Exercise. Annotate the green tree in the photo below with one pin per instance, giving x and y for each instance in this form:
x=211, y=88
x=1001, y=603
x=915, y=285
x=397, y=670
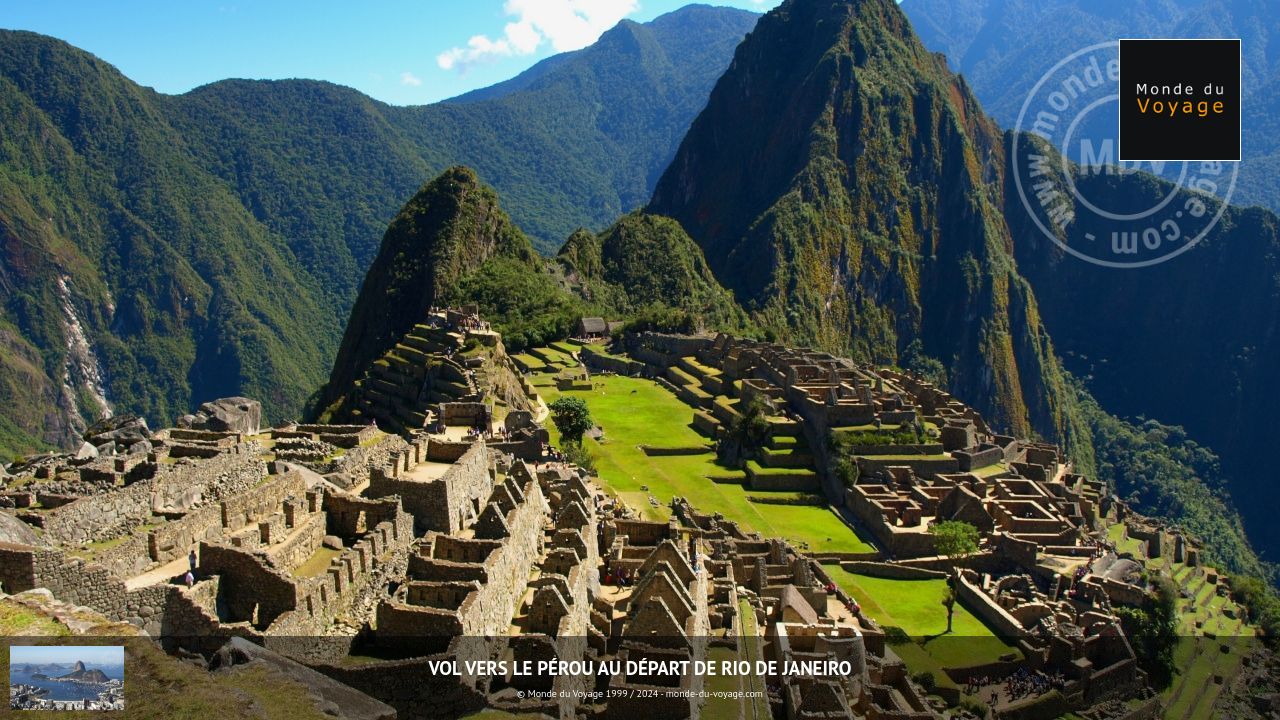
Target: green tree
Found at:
x=955, y=540
x=1153, y=631
x=747, y=432
x=572, y=418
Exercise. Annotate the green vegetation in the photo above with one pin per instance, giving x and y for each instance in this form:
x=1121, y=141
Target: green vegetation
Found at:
x=634, y=412
x=955, y=540
x=17, y=619
x=912, y=606
x=1166, y=475
x=179, y=290
x=1152, y=631
x=317, y=563
x=572, y=418
x=526, y=305
x=1260, y=601
x=646, y=266
x=212, y=243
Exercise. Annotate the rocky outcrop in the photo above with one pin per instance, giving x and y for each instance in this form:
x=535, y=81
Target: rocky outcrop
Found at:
x=13, y=530
x=332, y=697
x=115, y=436
x=232, y=414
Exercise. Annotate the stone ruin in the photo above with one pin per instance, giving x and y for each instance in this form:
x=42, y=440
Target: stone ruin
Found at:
x=454, y=538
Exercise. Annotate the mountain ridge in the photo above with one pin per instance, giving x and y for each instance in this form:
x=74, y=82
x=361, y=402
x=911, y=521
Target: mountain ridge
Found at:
x=865, y=222
x=212, y=243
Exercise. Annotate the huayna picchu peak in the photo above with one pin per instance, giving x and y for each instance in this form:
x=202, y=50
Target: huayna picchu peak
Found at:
x=839, y=183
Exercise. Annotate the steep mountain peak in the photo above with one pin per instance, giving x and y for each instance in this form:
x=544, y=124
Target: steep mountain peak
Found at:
x=451, y=226
x=854, y=211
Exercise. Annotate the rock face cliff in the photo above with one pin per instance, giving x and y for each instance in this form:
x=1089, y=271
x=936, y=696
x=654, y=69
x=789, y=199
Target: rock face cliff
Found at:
x=844, y=185
x=452, y=226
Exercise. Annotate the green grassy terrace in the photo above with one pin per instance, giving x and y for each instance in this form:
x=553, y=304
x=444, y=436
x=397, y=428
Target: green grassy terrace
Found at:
x=634, y=412
x=916, y=607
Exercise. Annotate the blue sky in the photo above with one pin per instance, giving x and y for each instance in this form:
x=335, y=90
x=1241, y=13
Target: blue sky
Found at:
x=89, y=654
x=401, y=51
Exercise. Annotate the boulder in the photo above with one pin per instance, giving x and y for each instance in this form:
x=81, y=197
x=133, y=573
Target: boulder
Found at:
x=340, y=479
x=124, y=430
x=86, y=452
x=232, y=414
x=13, y=530
x=331, y=697
x=333, y=542
x=142, y=446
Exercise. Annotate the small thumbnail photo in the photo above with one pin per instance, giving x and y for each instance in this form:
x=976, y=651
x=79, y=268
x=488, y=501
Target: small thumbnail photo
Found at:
x=66, y=677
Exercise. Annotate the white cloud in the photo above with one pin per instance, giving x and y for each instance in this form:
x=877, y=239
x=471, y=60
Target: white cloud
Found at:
x=564, y=24
x=408, y=78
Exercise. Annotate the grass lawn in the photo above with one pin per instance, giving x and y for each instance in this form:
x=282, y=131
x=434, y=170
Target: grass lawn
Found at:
x=990, y=470
x=916, y=607
x=633, y=412
x=317, y=564
x=16, y=619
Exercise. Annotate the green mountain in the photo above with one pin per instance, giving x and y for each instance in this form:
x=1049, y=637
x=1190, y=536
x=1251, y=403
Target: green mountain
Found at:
x=643, y=262
x=131, y=275
x=866, y=208
x=160, y=251
x=451, y=226
x=854, y=210
x=453, y=244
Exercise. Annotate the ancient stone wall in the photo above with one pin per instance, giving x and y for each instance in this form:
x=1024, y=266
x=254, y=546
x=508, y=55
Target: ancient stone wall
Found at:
x=301, y=543
x=129, y=558
x=609, y=363
x=247, y=508
x=352, y=578
x=891, y=570
x=172, y=539
x=981, y=604
x=359, y=461
x=100, y=517
x=250, y=590
x=230, y=472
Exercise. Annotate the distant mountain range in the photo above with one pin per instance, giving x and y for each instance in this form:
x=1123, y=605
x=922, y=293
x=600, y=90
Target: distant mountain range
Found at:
x=1002, y=47
x=79, y=673
x=1194, y=340
x=159, y=251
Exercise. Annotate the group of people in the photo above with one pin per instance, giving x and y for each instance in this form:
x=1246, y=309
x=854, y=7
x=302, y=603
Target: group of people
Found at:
x=1020, y=684
x=190, y=577
x=621, y=578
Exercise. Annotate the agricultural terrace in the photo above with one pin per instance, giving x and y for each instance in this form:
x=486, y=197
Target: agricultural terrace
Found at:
x=633, y=412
